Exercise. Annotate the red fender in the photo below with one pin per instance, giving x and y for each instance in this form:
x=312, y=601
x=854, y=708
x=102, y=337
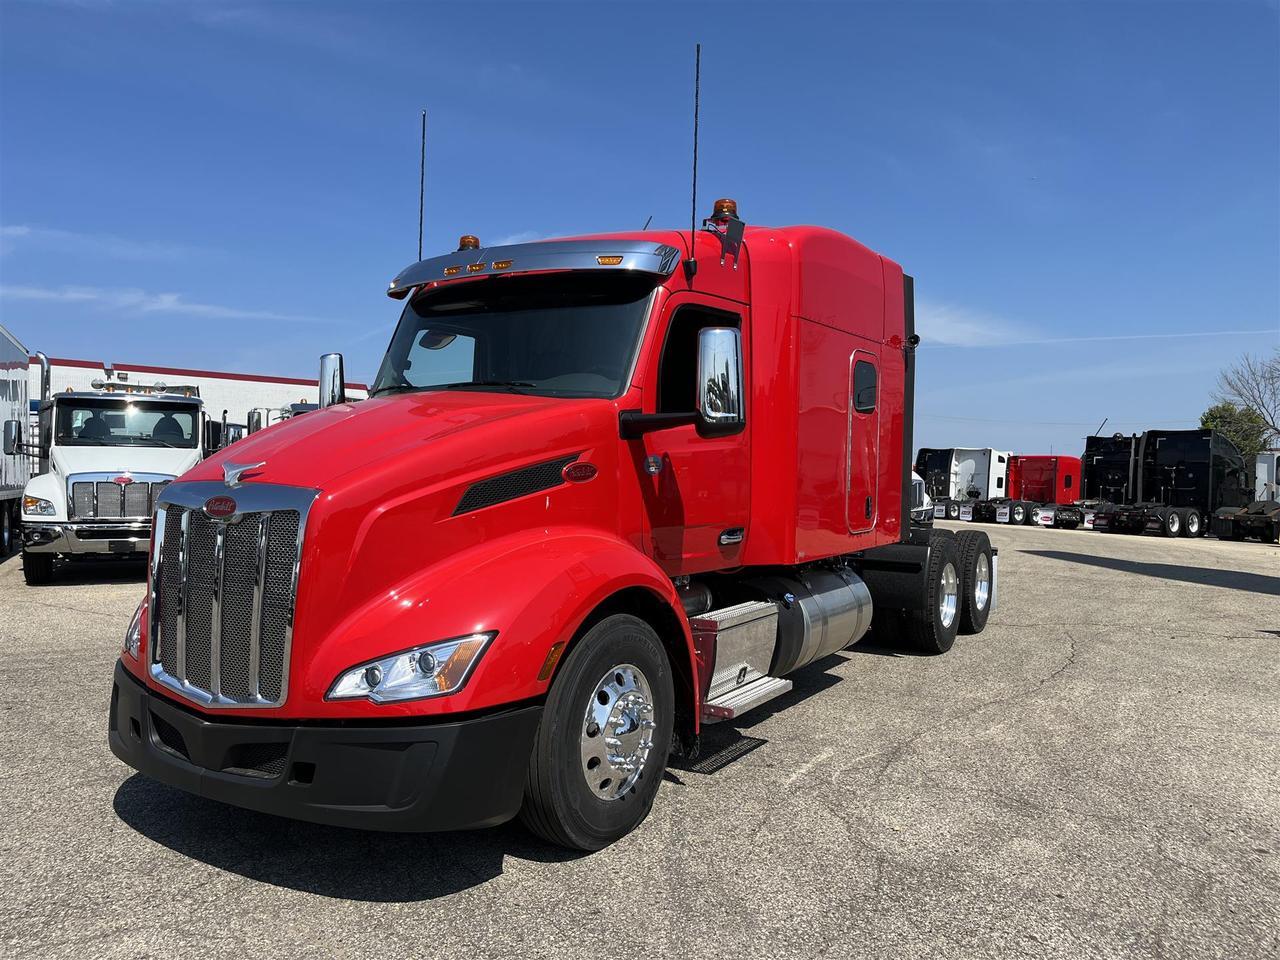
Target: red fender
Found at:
x=534, y=587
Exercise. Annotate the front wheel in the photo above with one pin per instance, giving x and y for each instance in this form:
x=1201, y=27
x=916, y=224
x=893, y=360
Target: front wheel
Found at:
x=604, y=738
x=37, y=568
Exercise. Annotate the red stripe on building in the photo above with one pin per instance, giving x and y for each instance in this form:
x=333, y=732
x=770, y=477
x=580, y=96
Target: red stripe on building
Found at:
x=184, y=372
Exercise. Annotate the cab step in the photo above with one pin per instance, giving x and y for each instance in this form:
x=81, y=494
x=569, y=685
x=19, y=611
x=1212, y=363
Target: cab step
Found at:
x=739, y=700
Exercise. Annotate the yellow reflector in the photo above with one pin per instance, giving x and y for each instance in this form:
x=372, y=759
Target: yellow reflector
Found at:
x=608, y=261
x=450, y=271
x=501, y=264
x=549, y=665
x=475, y=267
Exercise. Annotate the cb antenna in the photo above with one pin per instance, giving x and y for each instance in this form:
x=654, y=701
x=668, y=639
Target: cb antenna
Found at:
x=691, y=265
x=1098, y=432
x=422, y=179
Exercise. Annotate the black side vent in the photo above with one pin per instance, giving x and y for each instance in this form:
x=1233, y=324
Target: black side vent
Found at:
x=517, y=483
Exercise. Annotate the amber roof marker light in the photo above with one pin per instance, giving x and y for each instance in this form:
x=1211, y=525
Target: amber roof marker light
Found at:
x=725, y=208
x=468, y=242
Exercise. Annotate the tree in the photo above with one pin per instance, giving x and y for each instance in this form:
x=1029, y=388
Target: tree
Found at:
x=1254, y=384
x=1243, y=426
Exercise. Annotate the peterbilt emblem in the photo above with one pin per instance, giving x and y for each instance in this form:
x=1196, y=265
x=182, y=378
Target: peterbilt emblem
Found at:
x=219, y=508
x=231, y=472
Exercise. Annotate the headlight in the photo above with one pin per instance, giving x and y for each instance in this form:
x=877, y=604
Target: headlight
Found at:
x=38, y=507
x=133, y=636
x=427, y=671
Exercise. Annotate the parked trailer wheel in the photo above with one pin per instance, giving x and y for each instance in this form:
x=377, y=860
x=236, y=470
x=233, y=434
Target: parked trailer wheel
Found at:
x=603, y=741
x=1192, y=524
x=37, y=568
x=933, y=629
x=1171, y=524
x=977, y=576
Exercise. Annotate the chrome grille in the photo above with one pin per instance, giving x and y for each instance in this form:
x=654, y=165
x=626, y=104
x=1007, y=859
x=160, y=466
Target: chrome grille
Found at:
x=223, y=592
x=98, y=496
x=110, y=499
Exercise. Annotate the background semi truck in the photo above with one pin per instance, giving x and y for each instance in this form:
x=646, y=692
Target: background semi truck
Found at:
x=104, y=457
x=15, y=466
x=957, y=477
x=1164, y=481
x=605, y=490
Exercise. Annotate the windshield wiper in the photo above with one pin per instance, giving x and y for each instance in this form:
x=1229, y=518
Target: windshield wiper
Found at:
x=481, y=383
x=163, y=443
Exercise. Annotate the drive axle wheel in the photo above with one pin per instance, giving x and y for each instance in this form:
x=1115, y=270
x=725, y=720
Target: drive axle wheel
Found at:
x=1172, y=526
x=933, y=629
x=6, y=531
x=977, y=569
x=1192, y=525
x=1019, y=513
x=604, y=737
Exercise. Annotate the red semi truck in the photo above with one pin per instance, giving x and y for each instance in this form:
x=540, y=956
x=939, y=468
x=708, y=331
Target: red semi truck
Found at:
x=605, y=490
x=1042, y=489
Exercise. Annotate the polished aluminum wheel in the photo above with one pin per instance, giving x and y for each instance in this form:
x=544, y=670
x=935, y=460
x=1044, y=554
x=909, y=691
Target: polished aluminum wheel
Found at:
x=948, y=595
x=617, y=732
x=982, y=582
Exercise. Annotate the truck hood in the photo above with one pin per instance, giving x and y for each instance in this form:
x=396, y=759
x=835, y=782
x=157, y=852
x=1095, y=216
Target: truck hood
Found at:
x=438, y=432
x=165, y=460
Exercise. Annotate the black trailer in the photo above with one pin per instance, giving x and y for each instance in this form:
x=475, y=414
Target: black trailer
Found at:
x=1164, y=481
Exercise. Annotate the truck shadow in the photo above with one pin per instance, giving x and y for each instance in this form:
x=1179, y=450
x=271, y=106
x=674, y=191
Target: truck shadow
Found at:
x=1203, y=576
x=80, y=573
x=329, y=861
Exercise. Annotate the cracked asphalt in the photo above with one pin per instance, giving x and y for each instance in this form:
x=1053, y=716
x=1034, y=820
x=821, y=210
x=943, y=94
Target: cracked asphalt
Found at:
x=1096, y=775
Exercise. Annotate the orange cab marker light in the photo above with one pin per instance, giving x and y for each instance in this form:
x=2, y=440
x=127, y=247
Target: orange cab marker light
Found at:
x=501, y=264
x=611, y=261
x=475, y=267
x=451, y=271
x=549, y=665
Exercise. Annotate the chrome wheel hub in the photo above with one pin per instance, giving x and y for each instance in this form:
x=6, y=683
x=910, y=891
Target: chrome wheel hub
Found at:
x=617, y=732
x=949, y=595
x=982, y=582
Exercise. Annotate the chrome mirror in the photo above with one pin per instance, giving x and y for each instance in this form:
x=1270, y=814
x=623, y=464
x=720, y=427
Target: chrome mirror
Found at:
x=12, y=433
x=332, y=382
x=720, y=376
x=257, y=419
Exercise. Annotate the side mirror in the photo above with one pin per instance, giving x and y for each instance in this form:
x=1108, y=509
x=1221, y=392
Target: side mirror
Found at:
x=12, y=437
x=720, y=377
x=212, y=436
x=333, y=387
x=257, y=419
x=235, y=432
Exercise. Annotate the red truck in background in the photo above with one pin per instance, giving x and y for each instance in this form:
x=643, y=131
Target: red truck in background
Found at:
x=605, y=490
x=1043, y=490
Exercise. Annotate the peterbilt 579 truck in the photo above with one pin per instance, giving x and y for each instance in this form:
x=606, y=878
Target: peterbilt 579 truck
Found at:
x=605, y=490
x=104, y=457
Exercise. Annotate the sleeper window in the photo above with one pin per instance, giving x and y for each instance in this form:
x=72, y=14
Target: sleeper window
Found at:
x=864, y=387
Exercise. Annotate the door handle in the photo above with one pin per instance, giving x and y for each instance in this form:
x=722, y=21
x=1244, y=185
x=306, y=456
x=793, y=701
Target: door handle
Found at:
x=868, y=508
x=731, y=536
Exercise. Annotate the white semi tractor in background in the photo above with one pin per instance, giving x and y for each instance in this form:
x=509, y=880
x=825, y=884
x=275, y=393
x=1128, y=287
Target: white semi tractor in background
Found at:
x=955, y=477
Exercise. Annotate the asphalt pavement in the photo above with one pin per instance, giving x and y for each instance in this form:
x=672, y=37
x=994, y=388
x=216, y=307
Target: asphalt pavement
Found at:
x=1095, y=775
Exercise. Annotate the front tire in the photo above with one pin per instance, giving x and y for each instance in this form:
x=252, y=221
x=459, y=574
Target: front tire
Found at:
x=37, y=568
x=604, y=738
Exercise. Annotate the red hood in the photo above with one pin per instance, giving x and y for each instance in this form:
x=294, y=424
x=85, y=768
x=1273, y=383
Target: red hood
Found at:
x=438, y=432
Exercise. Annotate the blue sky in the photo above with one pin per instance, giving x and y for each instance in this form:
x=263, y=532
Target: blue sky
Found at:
x=231, y=185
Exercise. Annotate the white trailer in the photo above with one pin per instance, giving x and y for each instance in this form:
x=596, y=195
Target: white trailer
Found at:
x=959, y=476
x=15, y=468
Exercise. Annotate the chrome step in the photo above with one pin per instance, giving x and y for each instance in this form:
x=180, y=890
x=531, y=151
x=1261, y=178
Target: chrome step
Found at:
x=739, y=700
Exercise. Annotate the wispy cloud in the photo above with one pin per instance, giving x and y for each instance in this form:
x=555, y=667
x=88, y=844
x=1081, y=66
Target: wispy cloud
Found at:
x=142, y=302
x=1038, y=341
x=945, y=324
x=15, y=236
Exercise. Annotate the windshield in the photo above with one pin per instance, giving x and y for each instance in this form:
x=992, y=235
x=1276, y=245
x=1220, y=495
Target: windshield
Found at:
x=100, y=422
x=567, y=335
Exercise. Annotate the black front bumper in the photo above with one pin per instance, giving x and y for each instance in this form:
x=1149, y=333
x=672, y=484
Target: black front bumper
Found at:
x=385, y=776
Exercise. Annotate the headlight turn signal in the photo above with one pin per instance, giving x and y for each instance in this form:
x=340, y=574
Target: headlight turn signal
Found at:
x=37, y=507
x=432, y=670
x=133, y=636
